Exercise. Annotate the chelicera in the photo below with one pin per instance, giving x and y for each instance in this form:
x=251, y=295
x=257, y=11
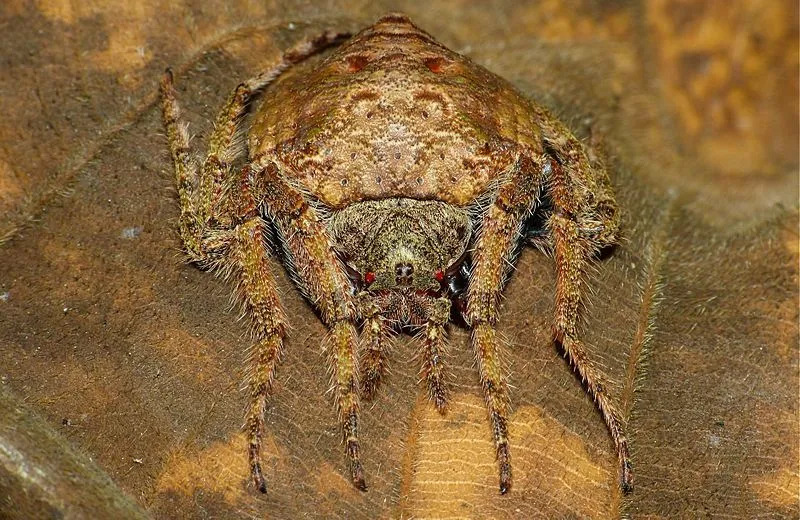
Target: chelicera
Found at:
x=400, y=180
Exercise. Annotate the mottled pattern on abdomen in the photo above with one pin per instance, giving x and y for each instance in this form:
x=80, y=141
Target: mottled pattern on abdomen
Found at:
x=394, y=114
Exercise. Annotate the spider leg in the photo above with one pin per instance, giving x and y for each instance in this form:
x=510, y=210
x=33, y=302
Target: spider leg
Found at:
x=434, y=349
x=374, y=337
x=326, y=285
x=185, y=168
x=238, y=249
x=579, y=229
x=241, y=250
x=497, y=239
x=220, y=226
x=259, y=294
x=572, y=259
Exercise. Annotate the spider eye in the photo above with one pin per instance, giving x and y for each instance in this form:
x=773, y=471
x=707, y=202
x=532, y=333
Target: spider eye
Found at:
x=439, y=275
x=369, y=278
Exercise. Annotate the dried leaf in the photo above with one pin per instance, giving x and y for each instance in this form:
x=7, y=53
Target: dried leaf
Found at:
x=134, y=357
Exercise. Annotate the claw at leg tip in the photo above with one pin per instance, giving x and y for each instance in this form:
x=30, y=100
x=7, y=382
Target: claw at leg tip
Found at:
x=626, y=482
x=505, y=483
x=258, y=479
x=368, y=392
x=357, y=473
x=359, y=482
x=505, y=478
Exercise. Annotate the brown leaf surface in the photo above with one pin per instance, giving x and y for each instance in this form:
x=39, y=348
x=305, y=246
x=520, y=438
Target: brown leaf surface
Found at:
x=134, y=357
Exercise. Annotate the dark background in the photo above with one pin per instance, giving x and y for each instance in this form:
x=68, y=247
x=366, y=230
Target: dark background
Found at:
x=134, y=362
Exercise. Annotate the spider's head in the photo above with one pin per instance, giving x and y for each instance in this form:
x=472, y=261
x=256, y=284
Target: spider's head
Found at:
x=401, y=244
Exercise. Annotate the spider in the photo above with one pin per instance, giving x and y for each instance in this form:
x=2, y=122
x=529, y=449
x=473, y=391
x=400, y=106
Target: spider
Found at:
x=399, y=179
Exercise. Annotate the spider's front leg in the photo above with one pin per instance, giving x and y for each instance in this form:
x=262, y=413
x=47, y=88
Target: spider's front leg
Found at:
x=375, y=334
x=499, y=234
x=434, y=350
x=326, y=286
x=584, y=220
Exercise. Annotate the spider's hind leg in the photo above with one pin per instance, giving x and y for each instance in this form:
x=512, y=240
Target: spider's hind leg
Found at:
x=584, y=221
x=572, y=260
x=221, y=228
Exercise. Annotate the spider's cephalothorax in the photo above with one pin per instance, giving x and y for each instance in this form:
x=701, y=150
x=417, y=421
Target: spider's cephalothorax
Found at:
x=400, y=178
x=400, y=244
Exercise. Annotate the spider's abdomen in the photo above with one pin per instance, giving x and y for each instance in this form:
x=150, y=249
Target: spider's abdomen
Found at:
x=392, y=113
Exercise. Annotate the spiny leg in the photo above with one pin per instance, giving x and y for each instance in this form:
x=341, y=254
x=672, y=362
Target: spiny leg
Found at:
x=201, y=193
x=571, y=262
x=434, y=350
x=327, y=286
x=210, y=241
x=209, y=214
x=373, y=355
x=374, y=338
x=185, y=168
x=242, y=251
x=579, y=229
x=495, y=245
x=257, y=291
x=343, y=360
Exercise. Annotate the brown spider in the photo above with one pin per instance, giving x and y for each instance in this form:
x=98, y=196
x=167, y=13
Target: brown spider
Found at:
x=399, y=178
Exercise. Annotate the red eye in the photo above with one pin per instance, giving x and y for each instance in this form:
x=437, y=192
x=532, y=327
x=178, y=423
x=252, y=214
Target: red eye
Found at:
x=369, y=278
x=439, y=275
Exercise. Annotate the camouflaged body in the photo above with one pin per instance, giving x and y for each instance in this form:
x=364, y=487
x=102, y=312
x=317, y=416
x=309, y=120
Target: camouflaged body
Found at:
x=400, y=179
x=393, y=113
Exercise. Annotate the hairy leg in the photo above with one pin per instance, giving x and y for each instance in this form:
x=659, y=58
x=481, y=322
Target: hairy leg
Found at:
x=434, y=350
x=374, y=338
x=220, y=226
x=185, y=170
x=500, y=232
x=326, y=285
x=239, y=250
x=258, y=293
x=572, y=258
x=579, y=229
